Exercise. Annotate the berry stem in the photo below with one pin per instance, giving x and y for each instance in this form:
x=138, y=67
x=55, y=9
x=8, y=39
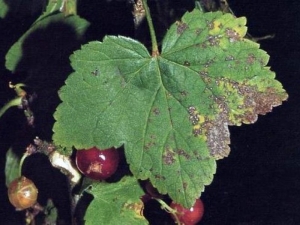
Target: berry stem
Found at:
x=21, y=162
x=155, y=51
x=168, y=209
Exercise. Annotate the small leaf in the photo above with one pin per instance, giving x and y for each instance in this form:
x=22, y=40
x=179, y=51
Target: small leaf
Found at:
x=3, y=9
x=116, y=203
x=11, y=166
x=172, y=111
x=53, y=6
x=50, y=213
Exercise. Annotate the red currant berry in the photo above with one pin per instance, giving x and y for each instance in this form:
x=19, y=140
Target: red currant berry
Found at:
x=22, y=193
x=189, y=216
x=97, y=164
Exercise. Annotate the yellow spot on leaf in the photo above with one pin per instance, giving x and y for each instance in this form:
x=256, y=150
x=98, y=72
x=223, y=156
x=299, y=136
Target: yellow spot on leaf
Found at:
x=217, y=25
x=136, y=207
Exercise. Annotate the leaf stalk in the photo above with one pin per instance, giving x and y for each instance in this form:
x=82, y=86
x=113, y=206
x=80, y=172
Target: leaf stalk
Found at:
x=155, y=51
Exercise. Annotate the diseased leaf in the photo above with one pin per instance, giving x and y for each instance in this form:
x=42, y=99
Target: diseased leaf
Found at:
x=228, y=70
x=116, y=203
x=172, y=111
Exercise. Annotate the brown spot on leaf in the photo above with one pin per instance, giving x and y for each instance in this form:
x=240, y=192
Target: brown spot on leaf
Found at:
x=249, y=117
x=256, y=102
x=169, y=157
x=213, y=40
x=232, y=35
x=181, y=27
x=250, y=59
x=203, y=74
x=159, y=177
x=149, y=145
x=199, y=31
x=191, y=109
x=198, y=157
x=197, y=132
x=183, y=93
x=267, y=100
x=183, y=153
x=229, y=58
x=210, y=24
x=215, y=130
x=218, y=137
x=96, y=72
x=186, y=63
x=156, y=111
x=209, y=62
x=194, y=119
x=184, y=185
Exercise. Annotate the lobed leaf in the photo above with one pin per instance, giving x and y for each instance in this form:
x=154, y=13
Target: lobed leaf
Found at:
x=172, y=111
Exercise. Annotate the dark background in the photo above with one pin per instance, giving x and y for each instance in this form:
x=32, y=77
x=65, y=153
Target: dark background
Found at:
x=259, y=183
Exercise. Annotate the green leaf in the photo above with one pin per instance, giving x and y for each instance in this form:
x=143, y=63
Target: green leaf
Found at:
x=172, y=111
x=11, y=166
x=53, y=6
x=116, y=203
x=3, y=9
x=49, y=18
x=51, y=213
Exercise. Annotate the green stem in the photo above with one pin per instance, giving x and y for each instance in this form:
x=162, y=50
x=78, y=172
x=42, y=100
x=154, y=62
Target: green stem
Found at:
x=18, y=89
x=155, y=51
x=167, y=208
x=21, y=163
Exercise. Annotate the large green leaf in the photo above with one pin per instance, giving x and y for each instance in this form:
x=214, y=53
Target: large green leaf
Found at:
x=117, y=203
x=171, y=111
